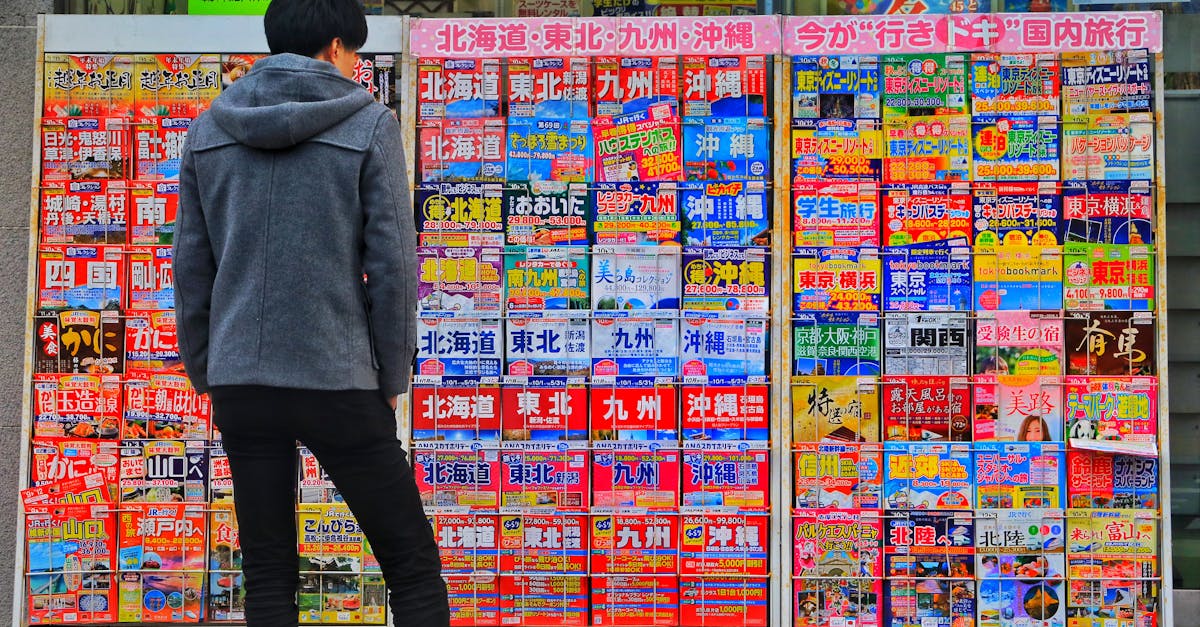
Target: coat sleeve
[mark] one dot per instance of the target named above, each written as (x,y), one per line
(390,256)
(195,272)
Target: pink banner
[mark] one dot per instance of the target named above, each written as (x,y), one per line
(666,36)
(999,32)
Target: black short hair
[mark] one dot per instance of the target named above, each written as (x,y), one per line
(306,27)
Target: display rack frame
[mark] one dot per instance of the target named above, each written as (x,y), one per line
(390,35)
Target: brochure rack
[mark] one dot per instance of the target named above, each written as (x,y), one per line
(617,417)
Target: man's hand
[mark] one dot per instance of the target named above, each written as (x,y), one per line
(392,401)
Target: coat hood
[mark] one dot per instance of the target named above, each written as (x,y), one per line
(285,100)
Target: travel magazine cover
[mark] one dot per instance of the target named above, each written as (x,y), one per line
(79,341)
(642,146)
(152,211)
(1021,567)
(458,88)
(835,343)
(923,213)
(635,213)
(1108,277)
(925,408)
(1015,84)
(726,148)
(455,207)
(929,558)
(456,413)
(1018,277)
(1018,408)
(546,213)
(546,149)
(1107,480)
(636,278)
(724,86)
(628,84)
(1015,148)
(151,340)
(1017,214)
(1112,566)
(836,279)
(84,212)
(725,214)
(924,85)
(837,567)
(723,350)
(636,474)
(1112,414)
(830,213)
(1108,212)
(634,410)
(921,149)
(1020,475)
(835,409)
(461,150)
(545,474)
(545,279)
(458,347)
(636,347)
(340,582)
(732,475)
(1110,343)
(461,281)
(843,149)
(837,475)
(921,476)
(161,553)
(549,87)
(547,347)
(934,276)
(1019,342)
(927,343)
(88,85)
(836,86)
(727,279)
(724,412)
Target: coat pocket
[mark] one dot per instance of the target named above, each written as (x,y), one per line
(366,303)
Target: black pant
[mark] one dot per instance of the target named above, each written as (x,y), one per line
(353,435)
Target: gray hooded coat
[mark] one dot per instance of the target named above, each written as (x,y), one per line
(291,189)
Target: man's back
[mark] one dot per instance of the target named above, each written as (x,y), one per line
(298,174)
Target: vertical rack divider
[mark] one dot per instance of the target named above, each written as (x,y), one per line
(781,353)
(1166,586)
(406,91)
(19,605)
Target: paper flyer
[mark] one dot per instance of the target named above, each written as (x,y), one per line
(836,343)
(724,86)
(842,86)
(725,214)
(850,149)
(835,214)
(835,409)
(726,148)
(549,87)
(640,146)
(1019,342)
(635,213)
(1015,84)
(927,343)
(924,476)
(546,213)
(1017,214)
(837,279)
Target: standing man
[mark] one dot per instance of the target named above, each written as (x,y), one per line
(291,189)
